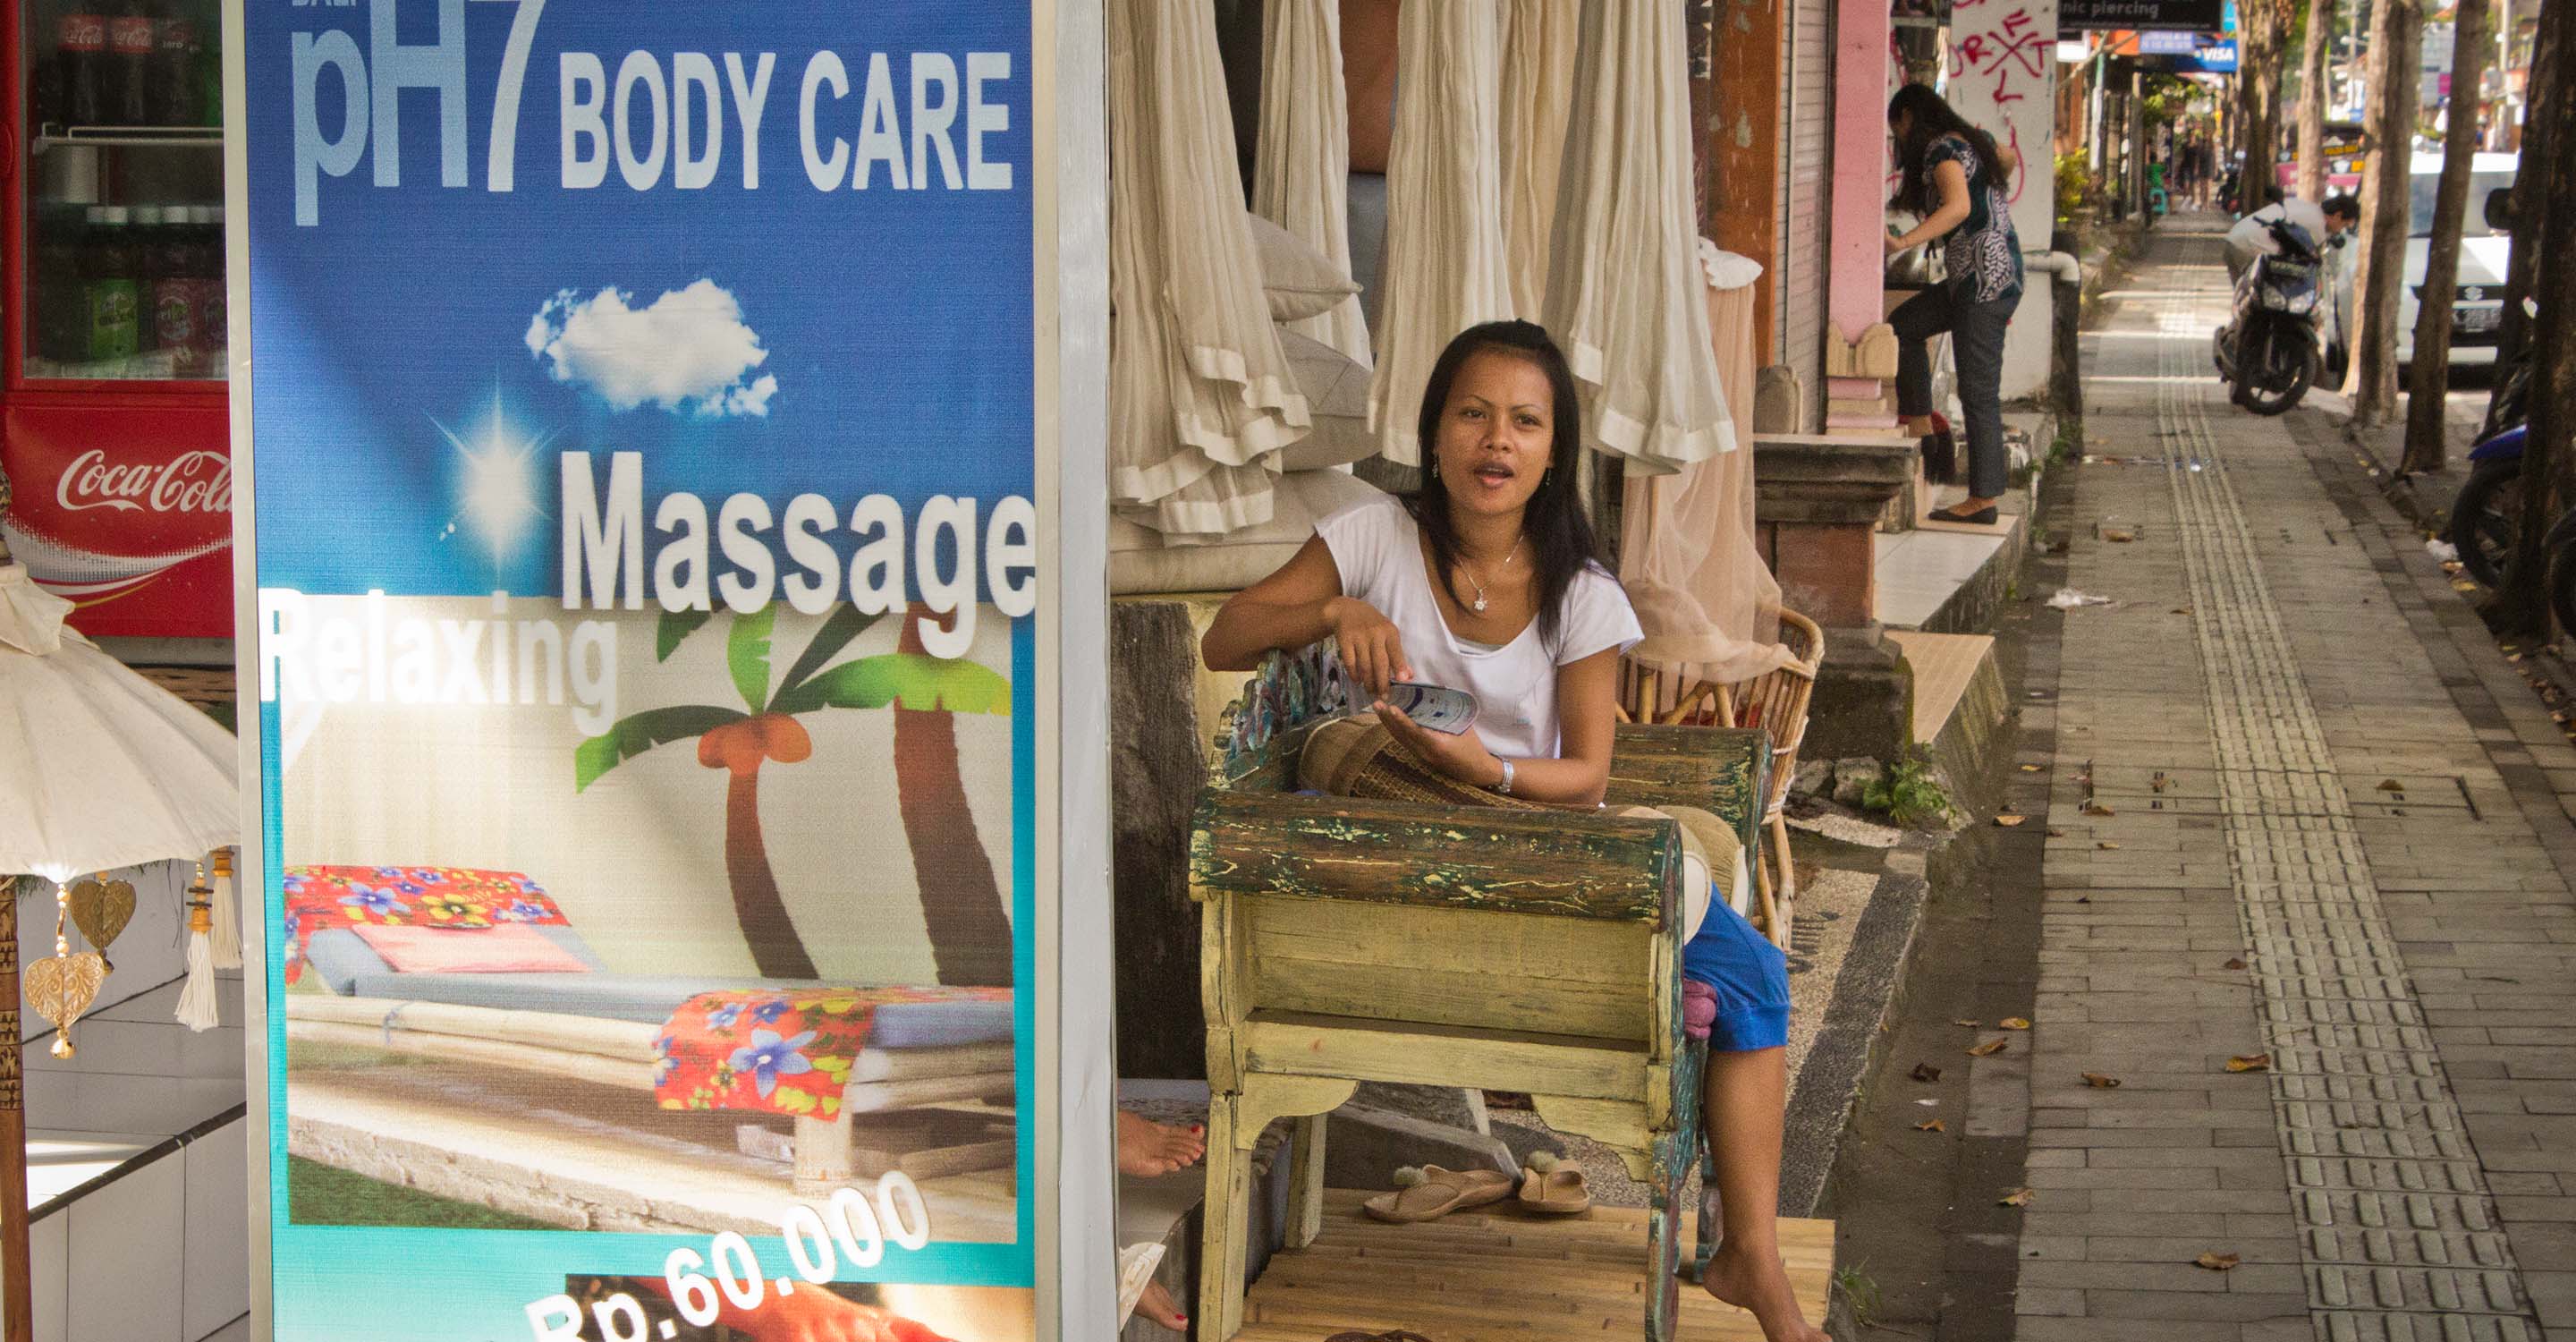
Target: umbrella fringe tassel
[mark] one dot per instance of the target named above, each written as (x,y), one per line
(226,939)
(197,1004)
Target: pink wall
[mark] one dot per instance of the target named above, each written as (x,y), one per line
(1857,260)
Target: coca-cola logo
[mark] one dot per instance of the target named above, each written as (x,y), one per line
(193,482)
(178,35)
(82,32)
(130,36)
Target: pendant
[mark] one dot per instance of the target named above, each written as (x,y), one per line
(1480,605)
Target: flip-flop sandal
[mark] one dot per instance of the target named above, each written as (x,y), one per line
(1551,1187)
(1983,517)
(1429,1193)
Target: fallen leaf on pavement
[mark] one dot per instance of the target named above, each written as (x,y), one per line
(2233,964)
(2391,785)
(2009,821)
(1987,1049)
(2019,1197)
(2013,1023)
(2182,610)
(2106,843)
(2464,586)
(2218,1262)
(1931,1125)
(1971,1024)
(2055,833)
(2030,768)
(1926,1072)
(2119,536)
(2100,1082)
(2250,1062)
(2097,808)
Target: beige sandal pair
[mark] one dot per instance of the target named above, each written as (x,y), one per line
(1548,1188)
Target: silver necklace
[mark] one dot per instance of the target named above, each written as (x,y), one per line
(1479,604)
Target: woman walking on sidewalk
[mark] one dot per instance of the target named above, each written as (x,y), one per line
(1959,181)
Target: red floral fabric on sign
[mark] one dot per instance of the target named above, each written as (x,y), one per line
(779,1051)
(325,897)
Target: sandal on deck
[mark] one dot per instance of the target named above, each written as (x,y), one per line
(1553,1188)
(1983,517)
(1429,1193)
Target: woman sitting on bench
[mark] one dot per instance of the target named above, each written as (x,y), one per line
(1484,579)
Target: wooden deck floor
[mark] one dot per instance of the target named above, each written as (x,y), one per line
(1498,1274)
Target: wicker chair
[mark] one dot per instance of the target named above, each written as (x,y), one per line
(1776,704)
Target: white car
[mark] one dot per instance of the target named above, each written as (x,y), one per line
(2478,304)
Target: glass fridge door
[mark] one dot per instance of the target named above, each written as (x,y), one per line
(122,238)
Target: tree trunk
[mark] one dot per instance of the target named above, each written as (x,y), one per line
(961,903)
(2312,99)
(2547,462)
(17,1315)
(2258,97)
(2396,41)
(2540,151)
(2429,390)
(776,951)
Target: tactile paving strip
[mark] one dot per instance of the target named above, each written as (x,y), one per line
(2397,1226)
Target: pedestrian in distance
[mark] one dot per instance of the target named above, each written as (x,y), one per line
(1960,182)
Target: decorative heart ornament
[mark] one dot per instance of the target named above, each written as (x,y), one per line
(102,909)
(61,987)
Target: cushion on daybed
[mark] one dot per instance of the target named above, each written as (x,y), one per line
(482,950)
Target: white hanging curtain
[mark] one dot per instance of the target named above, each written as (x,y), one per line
(1301,171)
(1687,555)
(1200,392)
(1446,265)
(1538,92)
(1624,293)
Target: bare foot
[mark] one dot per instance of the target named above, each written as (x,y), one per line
(1147,1149)
(1763,1287)
(1156,1304)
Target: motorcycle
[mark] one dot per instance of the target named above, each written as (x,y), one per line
(2486,518)
(2268,349)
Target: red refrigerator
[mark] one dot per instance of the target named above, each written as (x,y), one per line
(113,424)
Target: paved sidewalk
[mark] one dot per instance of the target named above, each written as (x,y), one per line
(2299,813)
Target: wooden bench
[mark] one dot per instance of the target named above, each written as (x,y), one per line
(1348,940)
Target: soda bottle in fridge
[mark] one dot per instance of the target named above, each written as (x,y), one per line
(80,47)
(107,279)
(144,231)
(130,35)
(173,91)
(62,304)
(178,287)
(212,313)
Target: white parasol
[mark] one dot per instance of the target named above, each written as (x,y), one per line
(1624,292)
(1200,394)
(1446,263)
(99,768)
(1301,172)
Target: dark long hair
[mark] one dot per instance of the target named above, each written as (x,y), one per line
(1560,536)
(1933,119)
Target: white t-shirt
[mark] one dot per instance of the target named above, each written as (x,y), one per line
(1379,552)
(2253,233)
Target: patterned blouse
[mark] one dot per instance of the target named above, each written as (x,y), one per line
(1982,255)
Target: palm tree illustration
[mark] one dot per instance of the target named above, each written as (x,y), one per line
(961,901)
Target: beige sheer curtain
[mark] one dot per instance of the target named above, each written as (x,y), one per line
(1687,556)
(1538,92)
(1200,393)
(1623,288)
(1446,261)
(1301,170)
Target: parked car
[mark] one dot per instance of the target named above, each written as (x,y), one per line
(2478,304)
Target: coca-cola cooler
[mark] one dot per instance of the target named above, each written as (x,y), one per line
(113,424)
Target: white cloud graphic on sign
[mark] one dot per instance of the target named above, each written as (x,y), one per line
(688,352)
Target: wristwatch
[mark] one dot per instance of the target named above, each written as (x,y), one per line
(1505,787)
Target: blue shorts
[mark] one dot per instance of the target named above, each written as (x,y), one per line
(1749,975)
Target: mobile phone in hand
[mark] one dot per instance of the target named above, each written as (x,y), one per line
(1433,707)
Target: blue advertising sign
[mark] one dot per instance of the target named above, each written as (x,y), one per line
(651,469)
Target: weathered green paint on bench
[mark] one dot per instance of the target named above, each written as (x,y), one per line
(1568,863)
(1720,770)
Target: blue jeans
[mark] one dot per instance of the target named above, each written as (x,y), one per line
(1977,346)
